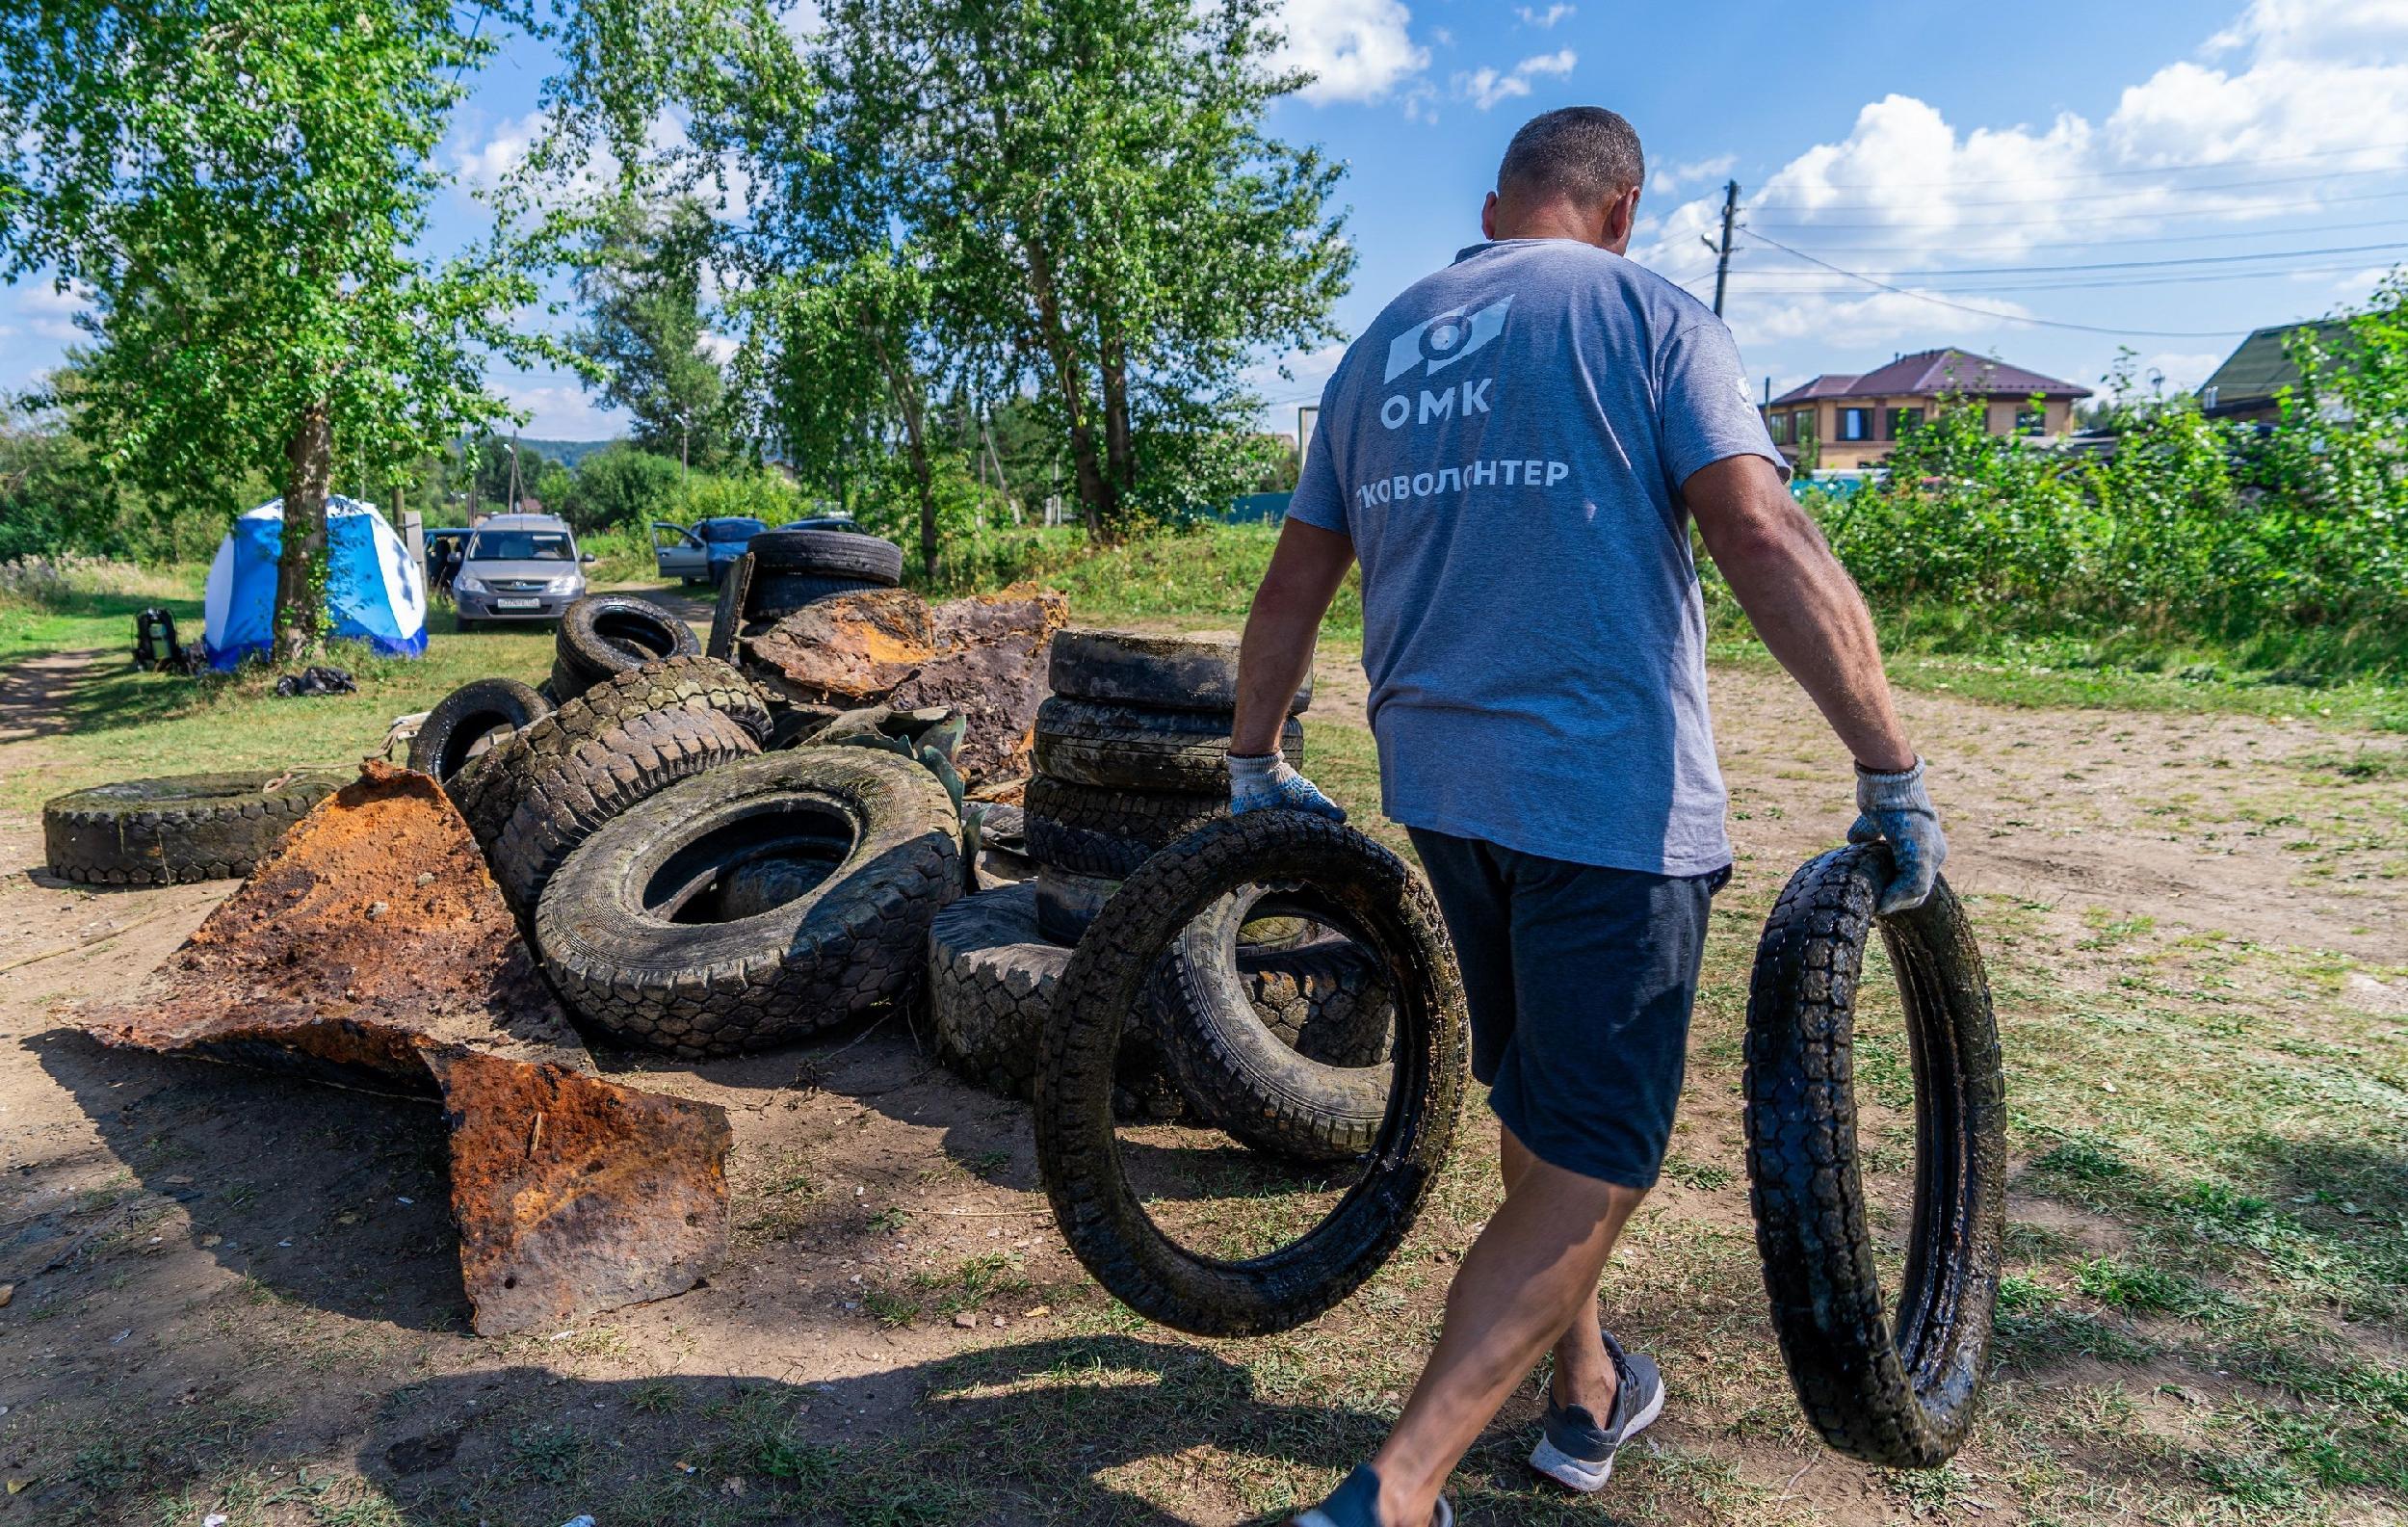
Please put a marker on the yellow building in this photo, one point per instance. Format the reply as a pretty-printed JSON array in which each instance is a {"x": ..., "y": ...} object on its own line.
[{"x": 1838, "y": 422}]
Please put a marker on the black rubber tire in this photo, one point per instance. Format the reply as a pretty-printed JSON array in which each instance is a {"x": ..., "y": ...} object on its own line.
[
  {"x": 489, "y": 790},
  {"x": 464, "y": 716},
  {"x": 1385, "y": 907},
  {"x": 829, "y": 553},
  {"x": 603, "y": 634},
  {"x": 991, "y": 978},
  {"x": 1141, "y": 747},
  {"x": 856, "y": 942},
  {"x": 1900, "y": 1397},
  {"x": 781, "y": 593},
  {"x": 1066, "y": 904},
  {"x": 1133, "y": 667},
  {"x": 1317, "y": 1093},
  {"x": 1089, "y": 830},
  {"x": 178, "y": 830},
  {"x": 591, "y": 769}
]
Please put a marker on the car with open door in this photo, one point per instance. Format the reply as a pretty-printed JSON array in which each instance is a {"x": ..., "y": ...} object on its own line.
[
  {"x": 724, "y": 539},
  {"x": 679, "y": 553}
]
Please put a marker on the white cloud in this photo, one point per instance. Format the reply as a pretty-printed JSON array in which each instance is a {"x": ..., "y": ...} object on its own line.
[
  {"x": 1545, "y": 19},
  {"x": 2293, "y": 91},
  {"x": 2182, "y": 370},
  {"x": 1669, "y": 178},
  {"x": 1485, "y": 87},
  {"x": 50, "y": 313},
  {"x": 1357, "y": 50}
]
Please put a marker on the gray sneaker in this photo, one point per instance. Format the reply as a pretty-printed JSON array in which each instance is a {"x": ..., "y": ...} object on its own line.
[
  {"x": 1355, "y": 1503},
  {"x": 1576, "y": 1452}
]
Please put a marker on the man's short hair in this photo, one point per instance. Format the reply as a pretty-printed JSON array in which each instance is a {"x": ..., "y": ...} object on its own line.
[{"x": 1585, "y": 154}]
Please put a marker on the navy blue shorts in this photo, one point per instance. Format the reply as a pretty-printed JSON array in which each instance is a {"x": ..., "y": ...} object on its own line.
[{"x": 1580, "y": 981}]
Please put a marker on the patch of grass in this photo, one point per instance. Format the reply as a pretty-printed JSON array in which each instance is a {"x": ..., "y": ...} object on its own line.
[
  {"x": 552, "y": 1455},
  {"x": 2136, "y": 1285}
]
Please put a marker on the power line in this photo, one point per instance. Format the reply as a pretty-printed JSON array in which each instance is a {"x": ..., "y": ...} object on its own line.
[
  {"x": 2087, "y": 195},
  {"x": 2163, "y": 216},
  {"x": 2136, "y": 265},
  {"x": 2194, "y": 279},
  {"x": 2092, "y": 244},
  {"x": 2143, "y": 169},
  {"x": 2044, "y": 323}
]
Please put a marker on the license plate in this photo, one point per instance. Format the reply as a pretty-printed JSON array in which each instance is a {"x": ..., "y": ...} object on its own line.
[{"x": 519, "y": 604}]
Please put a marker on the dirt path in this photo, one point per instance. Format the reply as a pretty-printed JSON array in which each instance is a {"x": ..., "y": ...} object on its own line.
[
  {"x": 224, "y": 1285},
  {"x": 2233, "y": 824}
]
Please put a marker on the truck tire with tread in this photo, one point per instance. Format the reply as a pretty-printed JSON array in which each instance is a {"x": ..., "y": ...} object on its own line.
[
  {"x": 1141, "y": 747},
  {"x": 177, "y": 829},
  {"x": 1135, "y": 668},
  {"x": 828, "y": 553},
  {"x": 1285, "y": 1049},
  {"x": 606, "y": 931},
  {"x": 1089, "y": 831},
  {"x": 1902, "y": 1396},
  {"x": 489, "y": 789}
]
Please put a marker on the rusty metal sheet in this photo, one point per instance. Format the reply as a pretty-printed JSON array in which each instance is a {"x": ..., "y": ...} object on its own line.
[
  {"x": 992, "y": 665},
  {"x": 373, "y": 950},
  {"x": 846, "y": 650}
]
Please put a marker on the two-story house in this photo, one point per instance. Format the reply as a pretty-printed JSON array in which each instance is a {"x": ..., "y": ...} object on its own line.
[{"x": 1842, "y": 422}]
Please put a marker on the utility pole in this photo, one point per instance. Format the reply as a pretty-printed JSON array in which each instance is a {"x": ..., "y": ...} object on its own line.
[{"x": 1722, "y": 251}]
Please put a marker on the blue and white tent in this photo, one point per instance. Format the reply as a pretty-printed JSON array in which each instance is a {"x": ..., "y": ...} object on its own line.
[{"x": 376, "y": 592}]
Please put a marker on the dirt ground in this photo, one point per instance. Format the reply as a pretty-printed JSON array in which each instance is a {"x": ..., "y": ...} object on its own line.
[{"x": 235, "y": 1299}]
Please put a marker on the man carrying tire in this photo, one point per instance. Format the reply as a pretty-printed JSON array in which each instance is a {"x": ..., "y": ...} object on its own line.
[{"x": 1513, "y": 450}]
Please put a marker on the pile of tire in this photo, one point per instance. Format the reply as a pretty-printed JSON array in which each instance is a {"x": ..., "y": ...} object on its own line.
[
  {"x": 783, "y": 570},
  {"x": 683, "y": 889},
  {"x": 1269, "y": 1027}
]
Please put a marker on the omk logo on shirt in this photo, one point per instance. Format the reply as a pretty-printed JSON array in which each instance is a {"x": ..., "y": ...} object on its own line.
[{"x": 1430, "y": 347}]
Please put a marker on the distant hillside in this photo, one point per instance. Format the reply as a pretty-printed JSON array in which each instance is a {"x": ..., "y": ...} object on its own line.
[{"x": 568, "y": 453}]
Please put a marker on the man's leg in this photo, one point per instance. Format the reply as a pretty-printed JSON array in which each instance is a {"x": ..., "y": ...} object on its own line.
[
  {"x": 1584, "y": 1375},
  {"x": 1531, "y": 1271}
]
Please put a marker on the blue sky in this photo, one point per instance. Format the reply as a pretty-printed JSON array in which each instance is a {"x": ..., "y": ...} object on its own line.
[{"x": 1949, "y": 151}]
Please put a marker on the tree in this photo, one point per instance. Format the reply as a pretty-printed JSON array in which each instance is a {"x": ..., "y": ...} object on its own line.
[
  {"x": 641, "y": 283},
  {"x": 1093, "y": 184},
  {"x": 835, "y": 346},
  {"x": 237, "y": 184},
  {"x": 620, "y": 485}
]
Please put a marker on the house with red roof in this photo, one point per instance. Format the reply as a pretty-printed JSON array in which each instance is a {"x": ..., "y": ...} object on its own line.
[{"x": 1840, "y": 421}]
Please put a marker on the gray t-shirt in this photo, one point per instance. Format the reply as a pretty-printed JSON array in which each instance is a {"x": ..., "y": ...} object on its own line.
[{"x": 1506, "y": 446}]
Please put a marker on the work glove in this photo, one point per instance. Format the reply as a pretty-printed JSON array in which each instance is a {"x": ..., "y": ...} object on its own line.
[
  {"x": 1266, "y": 782},
  {"x": 1896, "y": 809}
]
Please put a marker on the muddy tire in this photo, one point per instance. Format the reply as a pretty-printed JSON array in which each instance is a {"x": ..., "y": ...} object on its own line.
[
  {"x": 991, "y": 979},
  {"x": 1381, "y": 903},
  {"x": 603, "y": 634},
  {"x": 1141, "y": 747},
  {"x": 827, "y": 554},
  {"x": 489, "y": 790},
  {"x": 174, "y": 831},
  {"x": 1899, "y": 1397},
  {"x": 857, "y": 941},
  {"x": 1066, "y": 904},
  {"x": 1179, "y": 673},
  {"x": 1285, "y": 1049},
  {"x": 580, "y": 777},
  {"x": 467, "y": 717},
  {"x": 782, "y": 593},
  {"x": 1087, "y": 830}
]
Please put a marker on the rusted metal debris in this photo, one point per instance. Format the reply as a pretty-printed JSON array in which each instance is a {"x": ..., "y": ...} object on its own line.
[
  {"x": 984, "y": 657},
  {"x": 373, "y": 950}
]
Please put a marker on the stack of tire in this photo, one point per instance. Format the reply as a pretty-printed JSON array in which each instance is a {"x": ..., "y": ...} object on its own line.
[
  {"x": 783, "y": 570},
  {"x": 1284, "y": 1048},
  {"x": 687, "y": 891}
]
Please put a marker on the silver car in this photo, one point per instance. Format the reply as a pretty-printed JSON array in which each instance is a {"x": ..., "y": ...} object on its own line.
[{"x": 519, "y": 567}]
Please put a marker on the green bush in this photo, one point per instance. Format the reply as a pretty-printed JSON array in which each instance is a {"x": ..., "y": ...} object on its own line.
[{"x": 620, "y": 485}]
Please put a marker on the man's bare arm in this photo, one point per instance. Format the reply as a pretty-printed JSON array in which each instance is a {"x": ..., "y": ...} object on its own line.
[
  {"x": 1305, "y": 570},
  {"x": 1802, "y": 602}
]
